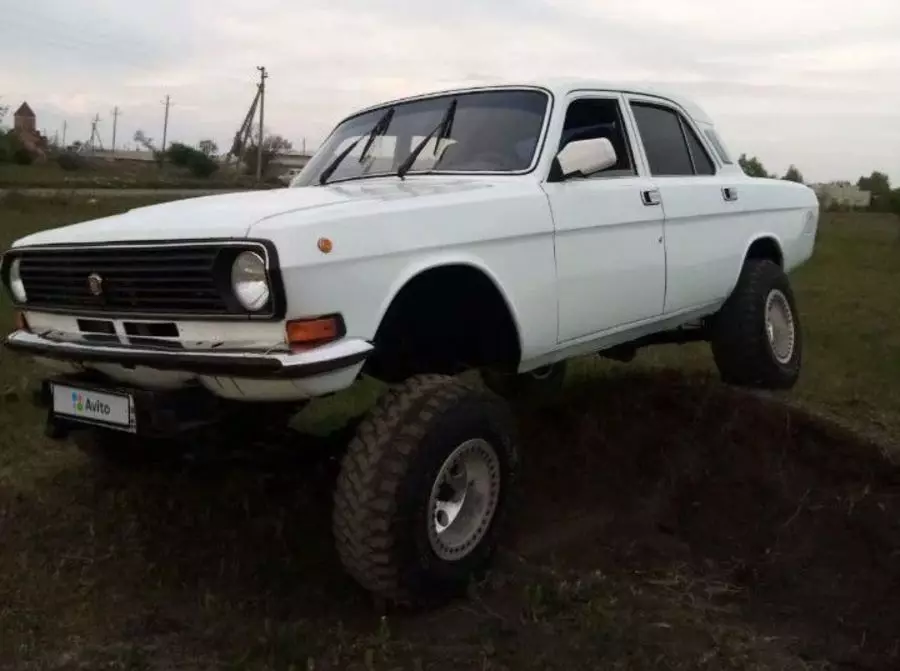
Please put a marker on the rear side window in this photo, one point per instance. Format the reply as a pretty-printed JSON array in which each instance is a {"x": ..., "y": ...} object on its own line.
[
  {"x": 716, "y": 143},
  {"x": 703, "y": 164},
  {"x": 663, "y": 140}
]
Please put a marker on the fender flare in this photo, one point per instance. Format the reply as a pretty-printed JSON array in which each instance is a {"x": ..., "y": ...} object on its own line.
[
  {"x": 415, "y": 270},
  {"x": 768, "y": 236}
]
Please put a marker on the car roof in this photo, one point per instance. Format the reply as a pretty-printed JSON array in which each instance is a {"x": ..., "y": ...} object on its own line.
[{"x": 561, "y": 87}]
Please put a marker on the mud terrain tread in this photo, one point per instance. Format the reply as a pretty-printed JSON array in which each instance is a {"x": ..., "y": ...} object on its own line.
[
  {"x": 363, "y": 487},
  {"x": 373, "y": 468},
  {"x": 739, "y": 344}
]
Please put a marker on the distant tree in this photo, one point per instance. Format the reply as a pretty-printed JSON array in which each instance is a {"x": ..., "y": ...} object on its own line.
[
  {"x": 895, "y": 202},
  {"x": 12, "y": 150},
  {"x": 208, "y": 147},
  {"x": 22, "y": 155},
  {"x": 752, "y": 166},
  {"x": 195, "y": 160},
  {"x": 141, "y": 138},
  {"x": 179, "y": 154},
  {"x": 4, "y": 110},
  {"x": 273, "y": 145},
  {"x": 877, "y": 182},
  {"x": 201, "y": 165},
  {"x": 879, "y": 185},
  {"x": 793, "y": 175}
]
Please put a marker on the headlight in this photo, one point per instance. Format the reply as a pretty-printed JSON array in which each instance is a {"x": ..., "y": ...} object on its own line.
[
  {"x": 15, "y": 282},
  {"x": 249, "y": 282}
]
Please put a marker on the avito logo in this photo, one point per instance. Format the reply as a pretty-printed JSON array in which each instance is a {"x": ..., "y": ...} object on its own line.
[{"x": 82, "y": 404}]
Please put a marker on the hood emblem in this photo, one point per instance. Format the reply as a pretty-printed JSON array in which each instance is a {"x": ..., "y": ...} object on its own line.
[{"x": 95, "y": 284}]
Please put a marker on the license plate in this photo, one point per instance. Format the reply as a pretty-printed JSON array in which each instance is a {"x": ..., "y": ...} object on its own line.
[{"x": 108, "y": 409}]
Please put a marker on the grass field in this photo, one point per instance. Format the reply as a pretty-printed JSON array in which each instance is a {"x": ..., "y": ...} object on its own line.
[
  {"x": 99, "y": 173},
  {"x": 667, "y": 522}
]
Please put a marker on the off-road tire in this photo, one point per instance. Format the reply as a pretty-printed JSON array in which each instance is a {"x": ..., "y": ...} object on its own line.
[
  {"x": 539, "y": 385},
  {"x": 381, "y": 503},
  {"x": 740, "y": 345}
]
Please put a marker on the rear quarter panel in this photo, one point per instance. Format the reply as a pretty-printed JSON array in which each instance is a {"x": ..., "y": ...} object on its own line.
[{"x": 783, "y": 211}]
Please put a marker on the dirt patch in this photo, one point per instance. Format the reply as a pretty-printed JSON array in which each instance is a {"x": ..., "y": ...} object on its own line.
[
  {"x": 665, "y": 522},
  {"x": 799, "y": 528}
]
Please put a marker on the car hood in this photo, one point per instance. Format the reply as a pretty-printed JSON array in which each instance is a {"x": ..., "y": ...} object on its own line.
[{"x": 234, "y": 215}]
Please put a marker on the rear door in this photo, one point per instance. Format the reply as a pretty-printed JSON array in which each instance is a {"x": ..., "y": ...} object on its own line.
[{"x": 700, "y": 203}]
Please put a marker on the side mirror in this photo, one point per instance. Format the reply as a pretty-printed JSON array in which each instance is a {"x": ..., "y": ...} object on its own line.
[{"x": 585, "y": 157}]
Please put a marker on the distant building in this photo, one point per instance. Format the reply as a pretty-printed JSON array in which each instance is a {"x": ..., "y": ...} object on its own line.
[
  {"x": 25, "y": 128},
  {"x": 25, "y": 120},
  {"x": 284, "y": 162},
  {"x": 843, "y": 194},
  {"x": 136, "y": 155}
]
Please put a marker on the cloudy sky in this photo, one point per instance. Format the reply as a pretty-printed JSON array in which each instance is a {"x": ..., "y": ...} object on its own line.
[{"x": 811, "y": 82}]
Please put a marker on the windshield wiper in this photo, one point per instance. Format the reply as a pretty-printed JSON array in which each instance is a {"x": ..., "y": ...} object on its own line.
[
  {"x": 379, "y": 128},
  {"x": 444, "y": 127}
]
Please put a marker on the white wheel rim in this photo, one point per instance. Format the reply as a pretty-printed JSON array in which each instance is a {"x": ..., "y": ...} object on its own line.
[
  {"x": 781, "y": 330},
  {"x": 463, "y": 499}
]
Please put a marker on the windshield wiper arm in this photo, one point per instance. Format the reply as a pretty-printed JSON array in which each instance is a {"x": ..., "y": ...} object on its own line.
[
  {"x": 379, "y": 128},
  {"x": 444, "y": 127}
]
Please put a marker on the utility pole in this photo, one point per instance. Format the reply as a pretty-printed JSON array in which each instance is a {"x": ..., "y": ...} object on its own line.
[
  {"x": 165, "y": 102},
  {"x": 65, "y": 128},
  {"x": 115, "y": 114},
  {"x": 262, "y": 110},
  {"x": 95, "y": 136}
]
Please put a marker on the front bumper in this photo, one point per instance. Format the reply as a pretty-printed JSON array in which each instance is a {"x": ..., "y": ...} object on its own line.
[{"x": 250, "y": 364}]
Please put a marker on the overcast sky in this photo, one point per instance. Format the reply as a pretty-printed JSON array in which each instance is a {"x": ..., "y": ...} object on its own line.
[{"x": 811, "y": 82}]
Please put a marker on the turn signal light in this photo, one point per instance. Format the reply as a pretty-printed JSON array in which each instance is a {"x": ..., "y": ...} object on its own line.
[{"x": 308, "y": 333}]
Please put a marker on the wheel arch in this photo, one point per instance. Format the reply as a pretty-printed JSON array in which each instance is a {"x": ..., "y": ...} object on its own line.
[
  {"x": 761, "y": 246},
  {"x": 765, "y": 246},
  {"x": 426, "y": 270}
]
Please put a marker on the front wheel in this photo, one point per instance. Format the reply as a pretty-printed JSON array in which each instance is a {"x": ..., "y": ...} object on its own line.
[
  {"x": 423, "y": 488},
  {"x": 756, "y": 337}
]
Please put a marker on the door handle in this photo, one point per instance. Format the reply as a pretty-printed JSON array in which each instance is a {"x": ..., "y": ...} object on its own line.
[
  {"x": 650, "y": 197},
  {"x": 729, "y": 193}
]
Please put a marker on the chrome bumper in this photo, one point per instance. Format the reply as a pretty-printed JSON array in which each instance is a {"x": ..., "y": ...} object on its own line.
[{"x": 221, "y": 362}]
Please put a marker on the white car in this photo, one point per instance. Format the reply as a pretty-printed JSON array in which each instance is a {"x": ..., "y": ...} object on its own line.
[{"x": 503, "y": 228}]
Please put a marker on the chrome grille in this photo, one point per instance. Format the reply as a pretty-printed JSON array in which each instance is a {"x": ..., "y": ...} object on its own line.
[{"x": 162, "y": 280}]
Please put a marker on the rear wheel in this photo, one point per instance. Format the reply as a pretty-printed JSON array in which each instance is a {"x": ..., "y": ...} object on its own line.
[
  {"x": 756, "y": 339},
  {"x": 423, "y": 489}
]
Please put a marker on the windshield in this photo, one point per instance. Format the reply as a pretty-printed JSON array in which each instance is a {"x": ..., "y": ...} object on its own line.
[{"x": 491, "y": 131}]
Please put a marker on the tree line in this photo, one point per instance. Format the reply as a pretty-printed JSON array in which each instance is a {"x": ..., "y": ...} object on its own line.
[{"x": 884, "y": 198}]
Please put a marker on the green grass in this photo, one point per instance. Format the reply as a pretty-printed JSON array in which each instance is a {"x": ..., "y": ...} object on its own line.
[
  {"x": 669, "y": 522},
  {"x": 105, "y": 174}
]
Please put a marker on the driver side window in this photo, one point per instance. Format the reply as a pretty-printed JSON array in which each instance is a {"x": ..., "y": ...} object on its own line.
[{"x": 592, "y": 118}]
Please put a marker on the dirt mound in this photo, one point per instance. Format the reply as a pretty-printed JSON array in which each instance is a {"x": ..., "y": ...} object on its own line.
[
  {"x": 677, "y": 473},
  {"x": 664, "y": 522}
]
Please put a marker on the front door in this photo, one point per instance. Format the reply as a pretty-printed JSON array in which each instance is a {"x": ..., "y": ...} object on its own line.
[{"x": 610, "y": 256}]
